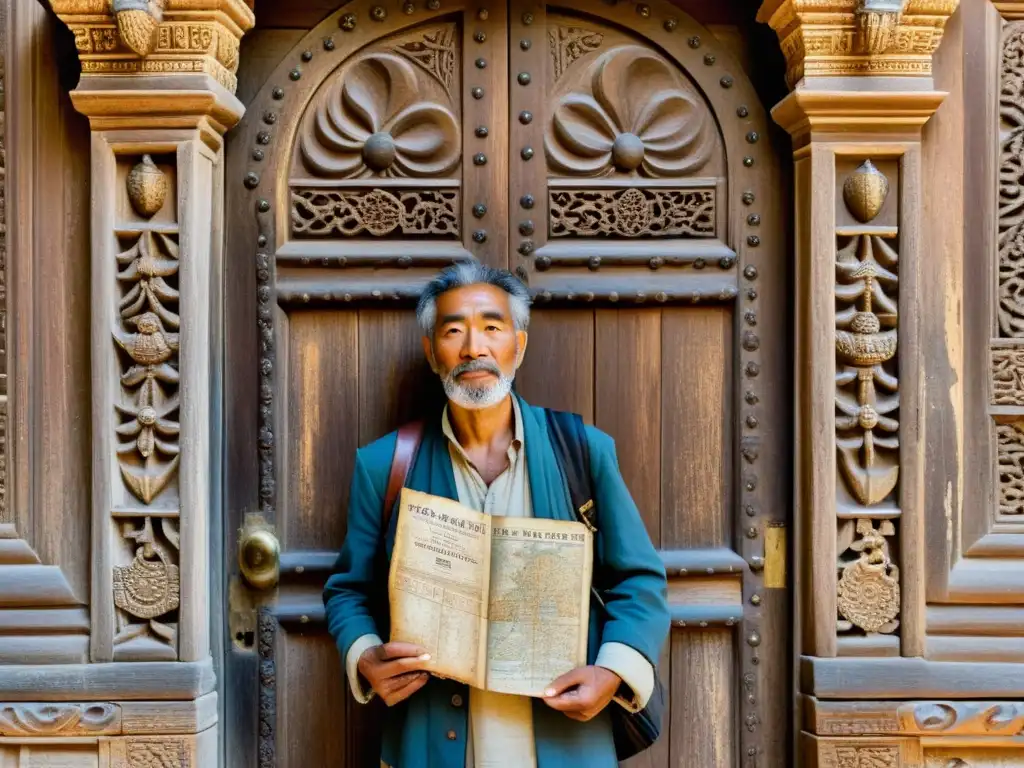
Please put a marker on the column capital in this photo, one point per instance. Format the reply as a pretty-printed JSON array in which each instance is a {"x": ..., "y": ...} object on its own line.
[
  {"x": 157, "y": 39},
  {"x": 836, "y": 115},
  {"x": 827, "y": 39}
]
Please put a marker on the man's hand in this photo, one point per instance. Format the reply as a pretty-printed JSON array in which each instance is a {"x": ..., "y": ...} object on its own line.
[
  {"x": 583, "y": 693},
  {"x": 394, "y": 670}
]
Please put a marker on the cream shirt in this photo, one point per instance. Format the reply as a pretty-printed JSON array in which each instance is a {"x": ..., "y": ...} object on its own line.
[{"x": 501, "y": 725}]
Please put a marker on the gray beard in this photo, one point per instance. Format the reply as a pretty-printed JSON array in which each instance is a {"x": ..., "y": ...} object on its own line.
[{"x": 476, "y": 397}]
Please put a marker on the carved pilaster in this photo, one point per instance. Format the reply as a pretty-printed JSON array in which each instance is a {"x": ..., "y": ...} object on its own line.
[
  {"x": 859, "y": 466},
  {"x": 157, "y": 83}
]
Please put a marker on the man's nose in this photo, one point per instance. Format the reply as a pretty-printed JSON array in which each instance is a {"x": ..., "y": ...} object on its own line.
[{"x": 474, "y": 346}]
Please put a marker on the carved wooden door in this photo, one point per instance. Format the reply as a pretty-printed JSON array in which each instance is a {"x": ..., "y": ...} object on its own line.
[{"x": 614, "y": 156}]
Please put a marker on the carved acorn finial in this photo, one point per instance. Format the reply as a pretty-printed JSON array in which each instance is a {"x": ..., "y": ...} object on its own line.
[
  {"x": 147, "y": 187},
  {"x": 137, "y": 21},
  {"x": 864, "y": 192}
]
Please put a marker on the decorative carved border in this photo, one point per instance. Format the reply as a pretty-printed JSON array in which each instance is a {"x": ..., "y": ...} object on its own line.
[{"x": 737, "y": 275}]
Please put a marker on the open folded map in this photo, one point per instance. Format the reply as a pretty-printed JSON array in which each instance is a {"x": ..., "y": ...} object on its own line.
[{"x": 500, "y": 603}]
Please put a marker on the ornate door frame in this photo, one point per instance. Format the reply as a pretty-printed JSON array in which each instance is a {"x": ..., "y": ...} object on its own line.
[{"x": 742, "y": 266}]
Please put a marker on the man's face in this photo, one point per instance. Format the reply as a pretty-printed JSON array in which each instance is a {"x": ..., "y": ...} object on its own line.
[{"x": 475, "y": 349}]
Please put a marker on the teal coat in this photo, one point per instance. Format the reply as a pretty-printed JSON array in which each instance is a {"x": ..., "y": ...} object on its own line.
[{"x": 355, "y": 597}]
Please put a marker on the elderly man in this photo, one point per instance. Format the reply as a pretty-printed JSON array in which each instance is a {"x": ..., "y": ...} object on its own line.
[{"x": 490, "y": 450}]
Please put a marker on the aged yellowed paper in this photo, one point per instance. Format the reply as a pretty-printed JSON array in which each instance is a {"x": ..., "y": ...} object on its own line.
[
  {"x": 500, "y": 603},
  {"x": 438, "y": 584}
]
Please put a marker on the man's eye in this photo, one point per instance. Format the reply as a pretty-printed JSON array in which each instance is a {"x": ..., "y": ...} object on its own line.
[
  {"x": 492, "y": 328},
  {"x": 451, "y": 331}
]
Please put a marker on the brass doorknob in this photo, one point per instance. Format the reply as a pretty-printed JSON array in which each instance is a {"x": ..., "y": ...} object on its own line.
[{"x": 259, "y": 558}]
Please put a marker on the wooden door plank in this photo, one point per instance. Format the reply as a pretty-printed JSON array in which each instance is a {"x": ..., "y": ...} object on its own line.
[
  {"x": 627, "y": 399},
  {"x": 658, "y": 756},
  {"x": 697, "y": 408},
  {"x": 323, "y": 387},
  {"x": 558, "y": 371},
  {"x": 314, "y": 696},
  {"x": 395, "y": 382},
  {"x": 703, "y": 724}
]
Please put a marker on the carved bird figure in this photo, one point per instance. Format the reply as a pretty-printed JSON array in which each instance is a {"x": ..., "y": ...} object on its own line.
[{"x": 152, "y": 344}]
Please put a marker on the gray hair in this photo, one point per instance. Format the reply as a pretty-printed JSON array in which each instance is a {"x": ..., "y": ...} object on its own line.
[{"x": 473, "y": 273}]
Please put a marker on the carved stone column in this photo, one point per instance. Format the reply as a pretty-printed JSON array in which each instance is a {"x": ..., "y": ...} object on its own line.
[
  {"x": 862, "y": 90},
  {"x": 157, "y": 86}
]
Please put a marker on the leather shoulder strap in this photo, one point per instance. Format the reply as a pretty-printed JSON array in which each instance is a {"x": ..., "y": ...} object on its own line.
[
  {"x": 569, "y": 441},
  {"x": 408, "y": 443}
]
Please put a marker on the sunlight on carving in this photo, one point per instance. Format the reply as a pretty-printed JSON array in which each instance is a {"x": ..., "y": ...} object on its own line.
[{"x": 636, "y": 116}]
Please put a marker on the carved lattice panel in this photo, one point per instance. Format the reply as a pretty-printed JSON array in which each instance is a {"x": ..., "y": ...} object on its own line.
[{"x": 981, "y": 572}]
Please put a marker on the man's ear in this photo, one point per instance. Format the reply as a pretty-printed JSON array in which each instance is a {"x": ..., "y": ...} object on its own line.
[
  {"x": 522, "y": 337},
  {"x": 428, "y": 352}
]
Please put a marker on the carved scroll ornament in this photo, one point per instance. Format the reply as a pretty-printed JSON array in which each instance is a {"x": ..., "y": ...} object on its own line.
[
  {"x": 372, "y": 120},
  {"x": 1011, "y": 183},
  {"x": 634, "y": 115},
  {"x": 633, "y": 213},
  {"x": 59, "y": 719},
  {"x": 377, "y": 212},
  {"x": 1010, "y": 441}
]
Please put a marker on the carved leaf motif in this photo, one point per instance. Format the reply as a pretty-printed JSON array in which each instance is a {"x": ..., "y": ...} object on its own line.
[
  {"x": 637, "y": 116},
  {"x": 148, "y": 458},
  {"x": 435, "y": 52},
  {"x": 569, "y": 44},
  {"x": 866, "y": 400},
  {"x": 371, "y": 121},
  {"x": 378, "y": 212}
]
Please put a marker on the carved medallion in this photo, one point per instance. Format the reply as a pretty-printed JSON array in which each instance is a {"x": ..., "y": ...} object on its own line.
[
  {"x": 146, "y": 588},
  {"x": 635, "y": 115},
  {"x": 869, "y": 590},
  {"x": 569, "y": 44},
  {"x": 371, "y": 120}
]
